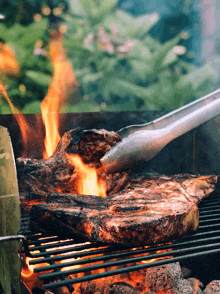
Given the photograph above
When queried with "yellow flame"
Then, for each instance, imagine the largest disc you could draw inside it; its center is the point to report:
(88, 183)
(61, 87)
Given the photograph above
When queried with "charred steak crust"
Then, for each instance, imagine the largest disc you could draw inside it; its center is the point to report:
(57, 173)
(148, 210)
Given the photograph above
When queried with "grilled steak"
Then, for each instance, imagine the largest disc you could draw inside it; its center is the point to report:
(58, 173)
(149, 210)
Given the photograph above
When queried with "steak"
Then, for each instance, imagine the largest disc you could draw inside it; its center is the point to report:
(150, 209)
(57, 173)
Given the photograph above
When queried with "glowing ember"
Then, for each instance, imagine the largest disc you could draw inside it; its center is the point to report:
(87, 182)
(60, 89)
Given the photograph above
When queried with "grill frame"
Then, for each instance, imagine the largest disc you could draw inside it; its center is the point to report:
(201, 243)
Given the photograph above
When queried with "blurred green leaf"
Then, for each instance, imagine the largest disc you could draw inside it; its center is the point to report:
(4, 108)
(76, 8)
(170, 58)
(92, 77)
(86, 106)
(141, 69)
(33, 107)
(123, 88)
(151, 43)
(145, 22)
(159, 56)
(33, 33)
(140, 51)
(38, 77)
(199, 76)
(20, 52)
(94, 10)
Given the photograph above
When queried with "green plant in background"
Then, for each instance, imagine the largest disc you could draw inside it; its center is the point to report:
(32, 83)
(121, 67)
(118, 65)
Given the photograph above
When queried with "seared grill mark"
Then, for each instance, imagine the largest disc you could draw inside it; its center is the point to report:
(136, 216)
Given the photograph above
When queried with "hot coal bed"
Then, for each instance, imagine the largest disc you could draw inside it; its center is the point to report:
(189, 265)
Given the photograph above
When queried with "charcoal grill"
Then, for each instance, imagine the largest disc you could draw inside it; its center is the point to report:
(91, 256)
(193, 152)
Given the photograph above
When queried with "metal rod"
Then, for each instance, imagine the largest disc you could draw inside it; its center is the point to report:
(135, 252)
(18, 237)
(129, 260)
(127, 269)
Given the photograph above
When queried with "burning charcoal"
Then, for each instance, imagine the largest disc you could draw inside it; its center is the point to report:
(120, 288)
(182, 287)
(196, 285)
(163, 277)
(88, 287)
(150, 292)
(57, 173)
(212, 288)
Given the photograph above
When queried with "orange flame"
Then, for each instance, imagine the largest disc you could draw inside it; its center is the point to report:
(8, 63)
(28, 276)
(87, 182)
(60, 89)
(18, 116)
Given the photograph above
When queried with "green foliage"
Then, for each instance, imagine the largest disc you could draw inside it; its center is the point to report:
(35, 68)
(121, 65)
(118, 65)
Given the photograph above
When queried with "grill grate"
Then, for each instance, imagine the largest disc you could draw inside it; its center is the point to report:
(60, 254)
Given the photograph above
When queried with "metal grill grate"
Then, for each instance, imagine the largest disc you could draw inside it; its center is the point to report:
(60, 254)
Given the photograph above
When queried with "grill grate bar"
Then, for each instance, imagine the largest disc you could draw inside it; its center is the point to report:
(208, 215)
(205, 241)
(170, 247)
(200, 234)
(128, 269)
(209, 204)
(132, 260)
(209, 226)
(193, 239)
(49, 246)
(209, 220)
(65, 250)
(44, 240)
(209, 208)
(77, 255)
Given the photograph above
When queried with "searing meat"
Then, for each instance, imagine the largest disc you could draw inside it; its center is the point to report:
(149, 210)
(58, 174)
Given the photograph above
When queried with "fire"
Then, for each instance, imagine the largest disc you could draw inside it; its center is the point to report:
(29, 278)
(61, 87)
(87, 182)
(137, 279)
(18, 116)
(8, 63)
(10, 66)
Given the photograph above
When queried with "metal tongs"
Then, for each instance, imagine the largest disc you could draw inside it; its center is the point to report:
(143, 142)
